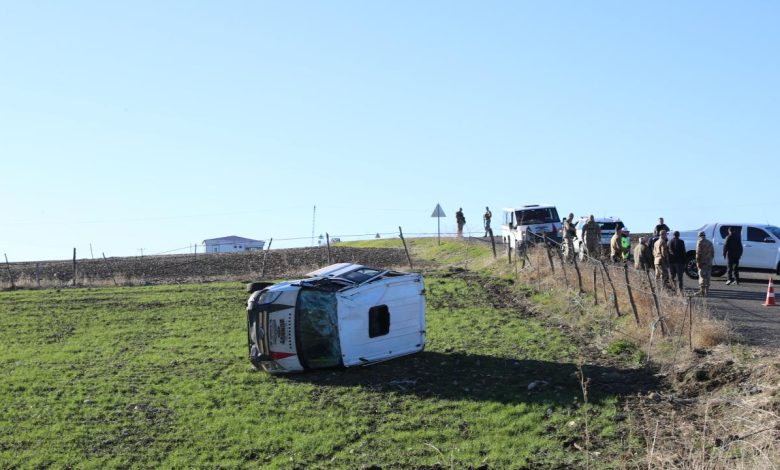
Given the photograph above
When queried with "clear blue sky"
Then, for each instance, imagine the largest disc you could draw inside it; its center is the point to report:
(156, 125)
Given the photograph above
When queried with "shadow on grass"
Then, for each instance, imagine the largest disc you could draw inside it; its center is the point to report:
(457, 376)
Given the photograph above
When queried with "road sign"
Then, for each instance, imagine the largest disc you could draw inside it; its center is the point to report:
(438, 212)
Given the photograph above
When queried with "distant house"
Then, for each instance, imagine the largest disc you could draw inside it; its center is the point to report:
(232, 244)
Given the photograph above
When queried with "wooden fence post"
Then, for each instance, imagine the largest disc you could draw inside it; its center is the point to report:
(549, 257)
(526, 259)
(563, 266)
(579, 275)
(327, 242)
(74, 266)
(690, 322)
(603, 281)
(10, 274)
(406, 249)
(265, 255)
(612, 285)
(509, 252)
(492, 242)
(630, 295)
(657, 305)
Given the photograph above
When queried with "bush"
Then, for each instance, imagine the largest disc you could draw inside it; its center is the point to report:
(626, 349)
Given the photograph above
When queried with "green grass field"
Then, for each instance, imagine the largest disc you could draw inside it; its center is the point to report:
(158, 376)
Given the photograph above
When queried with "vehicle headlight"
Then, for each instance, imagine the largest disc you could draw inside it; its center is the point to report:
(269, 297)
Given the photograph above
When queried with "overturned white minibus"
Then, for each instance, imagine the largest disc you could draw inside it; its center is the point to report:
(342, 315)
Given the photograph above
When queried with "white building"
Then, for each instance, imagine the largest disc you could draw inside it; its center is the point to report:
(232, 244)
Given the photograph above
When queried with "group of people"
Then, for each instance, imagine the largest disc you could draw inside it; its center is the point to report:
(669, 257)
(591, 233)
(460, 219)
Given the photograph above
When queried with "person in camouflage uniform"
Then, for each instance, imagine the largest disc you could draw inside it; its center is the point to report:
(643, 256)
(569, 232)
(461, 221)
(661, 259)
(616, 247)
(705, 252)
(591, 232)
(486, 219)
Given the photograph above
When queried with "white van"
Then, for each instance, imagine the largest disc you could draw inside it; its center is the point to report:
(343, 315)
(532, 219)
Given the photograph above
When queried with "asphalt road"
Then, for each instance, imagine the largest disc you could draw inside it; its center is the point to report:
(742, 306)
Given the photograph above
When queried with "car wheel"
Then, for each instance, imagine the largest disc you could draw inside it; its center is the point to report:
(718, 271)
(690, 267)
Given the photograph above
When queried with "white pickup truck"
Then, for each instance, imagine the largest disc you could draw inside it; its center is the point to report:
(760, 243)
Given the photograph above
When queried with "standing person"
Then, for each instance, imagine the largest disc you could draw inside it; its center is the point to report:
(616, 246)
(643, 255)
(486, 219)
(591, 232)
(677, 258)
(461, 220)
(660, 226)
(625, 243)
(705, 252)
(569, 232)
(661, 259)
(732, 251)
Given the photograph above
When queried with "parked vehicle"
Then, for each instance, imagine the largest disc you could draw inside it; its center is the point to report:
(342, 315)
(608, 225)
(760, 243)
(534, 220)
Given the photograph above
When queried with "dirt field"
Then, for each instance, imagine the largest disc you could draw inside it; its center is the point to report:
(192, 268)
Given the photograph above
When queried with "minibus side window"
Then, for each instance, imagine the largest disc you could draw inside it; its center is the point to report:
(378, 321)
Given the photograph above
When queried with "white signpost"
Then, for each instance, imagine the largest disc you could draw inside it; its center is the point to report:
(438, 212)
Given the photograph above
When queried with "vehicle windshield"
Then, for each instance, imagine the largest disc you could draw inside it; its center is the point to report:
(773, 230)
(536, 216)
(611, 225)
(317, 329)
(361, 275)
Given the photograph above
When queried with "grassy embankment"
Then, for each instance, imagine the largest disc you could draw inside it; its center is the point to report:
(147, 376)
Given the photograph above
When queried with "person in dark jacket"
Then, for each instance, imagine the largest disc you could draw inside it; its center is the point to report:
(677, 257)
(732, 251)
(660, 226)
(461, 221)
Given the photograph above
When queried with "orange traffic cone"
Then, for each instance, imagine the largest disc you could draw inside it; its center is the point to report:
(770, 294)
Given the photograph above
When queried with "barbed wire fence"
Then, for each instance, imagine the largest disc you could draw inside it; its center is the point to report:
(659, 312)
(189, 263)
